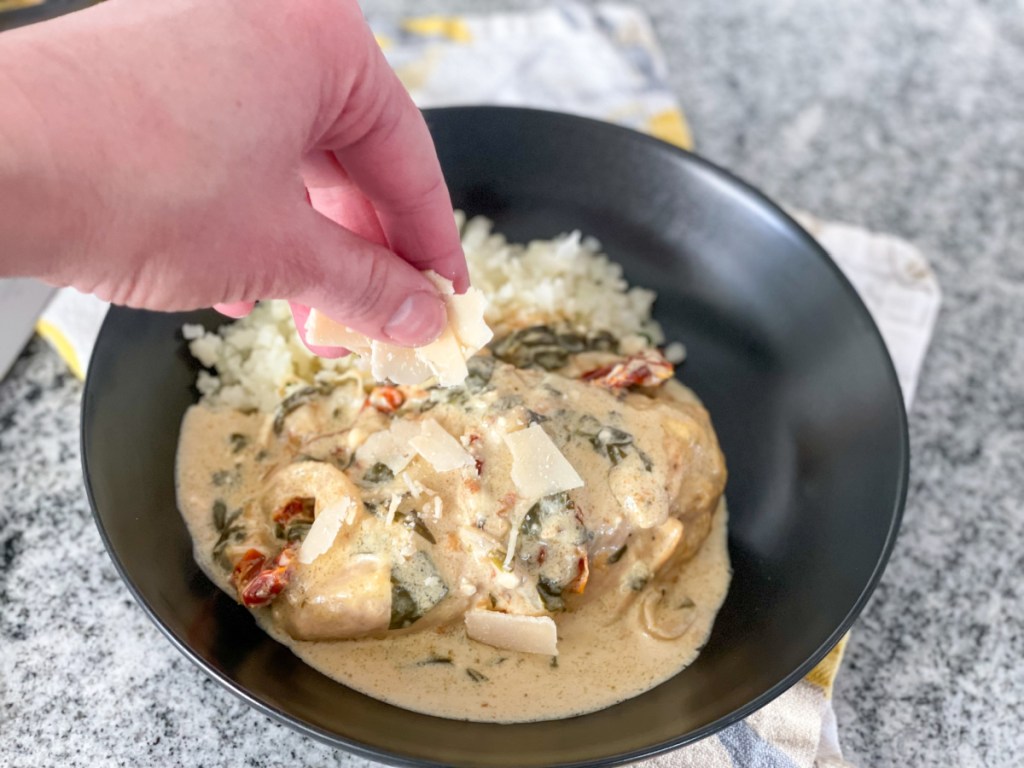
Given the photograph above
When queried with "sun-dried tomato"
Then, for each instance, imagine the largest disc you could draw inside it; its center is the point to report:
(303, 507)
(386, 399)
(247, 567)
(645, 369)
(582, 576)
(261, 587)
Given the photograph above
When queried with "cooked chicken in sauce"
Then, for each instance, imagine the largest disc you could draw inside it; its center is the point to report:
(549, 512)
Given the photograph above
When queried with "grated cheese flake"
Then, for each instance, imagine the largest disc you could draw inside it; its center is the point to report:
(415, 489)
(522, 507)
(396, 499)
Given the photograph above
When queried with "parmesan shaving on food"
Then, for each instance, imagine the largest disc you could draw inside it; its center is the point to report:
(538, 467)
(445, 358)
(389, 447)
(433, 508)
(325, 529)
(415, 489)
(396, 499)
(522, 507)
(510, 550)
(527, 634)
(442, 451)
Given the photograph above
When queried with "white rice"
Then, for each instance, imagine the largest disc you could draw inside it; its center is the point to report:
(566, 281)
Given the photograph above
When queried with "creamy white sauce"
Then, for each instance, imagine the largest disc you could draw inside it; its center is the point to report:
(604, 653)
(601, 660)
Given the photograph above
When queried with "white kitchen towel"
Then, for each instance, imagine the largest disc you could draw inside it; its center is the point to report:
(896, 284)
(604, 62)
(21, 301)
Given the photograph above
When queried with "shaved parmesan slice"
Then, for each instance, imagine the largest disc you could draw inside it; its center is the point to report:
(466, 316)
(507, 580)
(538, 467)
(445, 358)
(391, 447)
(404, 431)
(527, 634)
(320, 329)
(325, 529)
(442, 451)
(402, 365)
(378, 448)
(444, 285)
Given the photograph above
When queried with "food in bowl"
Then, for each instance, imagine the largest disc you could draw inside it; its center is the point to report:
(545, 539)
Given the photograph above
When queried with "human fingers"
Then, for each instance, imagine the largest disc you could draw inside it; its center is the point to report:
(300, 313)
(332, 192)
(363, 285)
(383, 144)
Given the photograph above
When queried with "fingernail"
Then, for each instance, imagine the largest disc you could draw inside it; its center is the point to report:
(236, 309)
(419, 320)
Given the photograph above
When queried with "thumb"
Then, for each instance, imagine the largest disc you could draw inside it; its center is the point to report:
(364, 285)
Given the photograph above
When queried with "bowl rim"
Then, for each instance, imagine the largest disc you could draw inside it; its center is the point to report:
(395, 758)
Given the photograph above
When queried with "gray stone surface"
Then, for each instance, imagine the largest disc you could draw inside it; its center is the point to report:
(903, 117)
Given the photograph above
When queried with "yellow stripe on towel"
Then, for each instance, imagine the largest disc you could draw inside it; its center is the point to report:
(670, 125)
(60, 342)
(452, 27)
(10, 5)
(824, 675)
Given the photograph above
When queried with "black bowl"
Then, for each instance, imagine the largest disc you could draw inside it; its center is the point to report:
(785, 356)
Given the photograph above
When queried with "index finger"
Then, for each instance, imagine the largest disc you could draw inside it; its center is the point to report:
(383, 144)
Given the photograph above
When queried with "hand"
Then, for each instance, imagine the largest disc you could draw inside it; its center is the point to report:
(161, 153)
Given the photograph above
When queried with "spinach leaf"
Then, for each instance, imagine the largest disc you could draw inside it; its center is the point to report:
(481, 368)
(296, 400)
(404, 611)
(297, 529)
(432, 660)
(617, 555)
(416, 587)
(220, 513)
(233, 534)
(414, 521)
(379, 473)
(551, 595)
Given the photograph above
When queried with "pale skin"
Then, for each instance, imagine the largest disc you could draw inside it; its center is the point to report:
(191, 153)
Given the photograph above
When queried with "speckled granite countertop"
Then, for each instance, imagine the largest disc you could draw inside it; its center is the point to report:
(902, 117)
